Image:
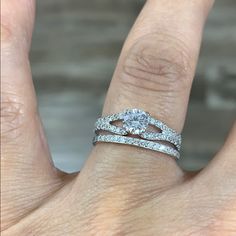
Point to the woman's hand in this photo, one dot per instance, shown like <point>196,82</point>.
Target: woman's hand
<point>121,190</point>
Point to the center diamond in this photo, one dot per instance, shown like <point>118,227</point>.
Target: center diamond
<point>135,121</point>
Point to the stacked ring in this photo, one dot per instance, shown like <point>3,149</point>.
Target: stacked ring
<point>138,123</point>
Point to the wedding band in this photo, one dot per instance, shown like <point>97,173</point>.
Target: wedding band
<point>146,129</point>
<point>138,143</point>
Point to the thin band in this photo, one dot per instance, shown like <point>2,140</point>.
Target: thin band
<point>166,134</point>
<point>138,143</point>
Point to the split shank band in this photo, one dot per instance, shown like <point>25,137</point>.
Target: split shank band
<point>137,128</point>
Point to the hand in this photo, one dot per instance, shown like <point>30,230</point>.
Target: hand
<point>121,190</point>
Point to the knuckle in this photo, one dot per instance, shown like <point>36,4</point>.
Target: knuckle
<point>13,37</point>
<point>12,115</point>
<point>5,33</point>
<point>156,65</point>
<point>8,41</point>
<point>7,36</point>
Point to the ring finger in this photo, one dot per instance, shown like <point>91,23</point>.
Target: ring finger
<point>155,73</point>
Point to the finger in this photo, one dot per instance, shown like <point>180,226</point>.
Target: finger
<point>155,73</point>
<point>222,169</point>
<point>27,171</point>
<point>215,186</point>
<point>158,61</point>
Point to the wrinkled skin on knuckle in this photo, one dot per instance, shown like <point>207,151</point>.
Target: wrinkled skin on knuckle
<point>156,65</point>
<point>8,36</point>
<point>18,205</point>
<point>13,113</point>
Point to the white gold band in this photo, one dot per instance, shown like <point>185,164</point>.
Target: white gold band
<point>125,125</point>
<point>138,143</point>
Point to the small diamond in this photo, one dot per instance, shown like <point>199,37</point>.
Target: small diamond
<point>135,121</point>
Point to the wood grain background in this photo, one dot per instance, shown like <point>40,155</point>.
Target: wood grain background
<point>75,48</point>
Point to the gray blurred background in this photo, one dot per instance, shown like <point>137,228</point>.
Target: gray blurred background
<point>75,47</point>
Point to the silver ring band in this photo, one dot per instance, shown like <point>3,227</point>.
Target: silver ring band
<point>147,131</point>
<point>138,143</point>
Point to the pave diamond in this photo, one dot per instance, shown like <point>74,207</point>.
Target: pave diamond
<point>135,121</point>
<point>137,142</point>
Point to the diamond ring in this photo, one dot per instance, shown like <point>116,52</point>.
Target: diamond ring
<point>138,128</point>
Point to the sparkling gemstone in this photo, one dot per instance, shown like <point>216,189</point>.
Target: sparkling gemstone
<point>135,121</point>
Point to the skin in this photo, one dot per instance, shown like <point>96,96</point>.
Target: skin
<point>121,190</point>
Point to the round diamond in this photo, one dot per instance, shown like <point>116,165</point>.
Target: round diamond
<point>135,121</point>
